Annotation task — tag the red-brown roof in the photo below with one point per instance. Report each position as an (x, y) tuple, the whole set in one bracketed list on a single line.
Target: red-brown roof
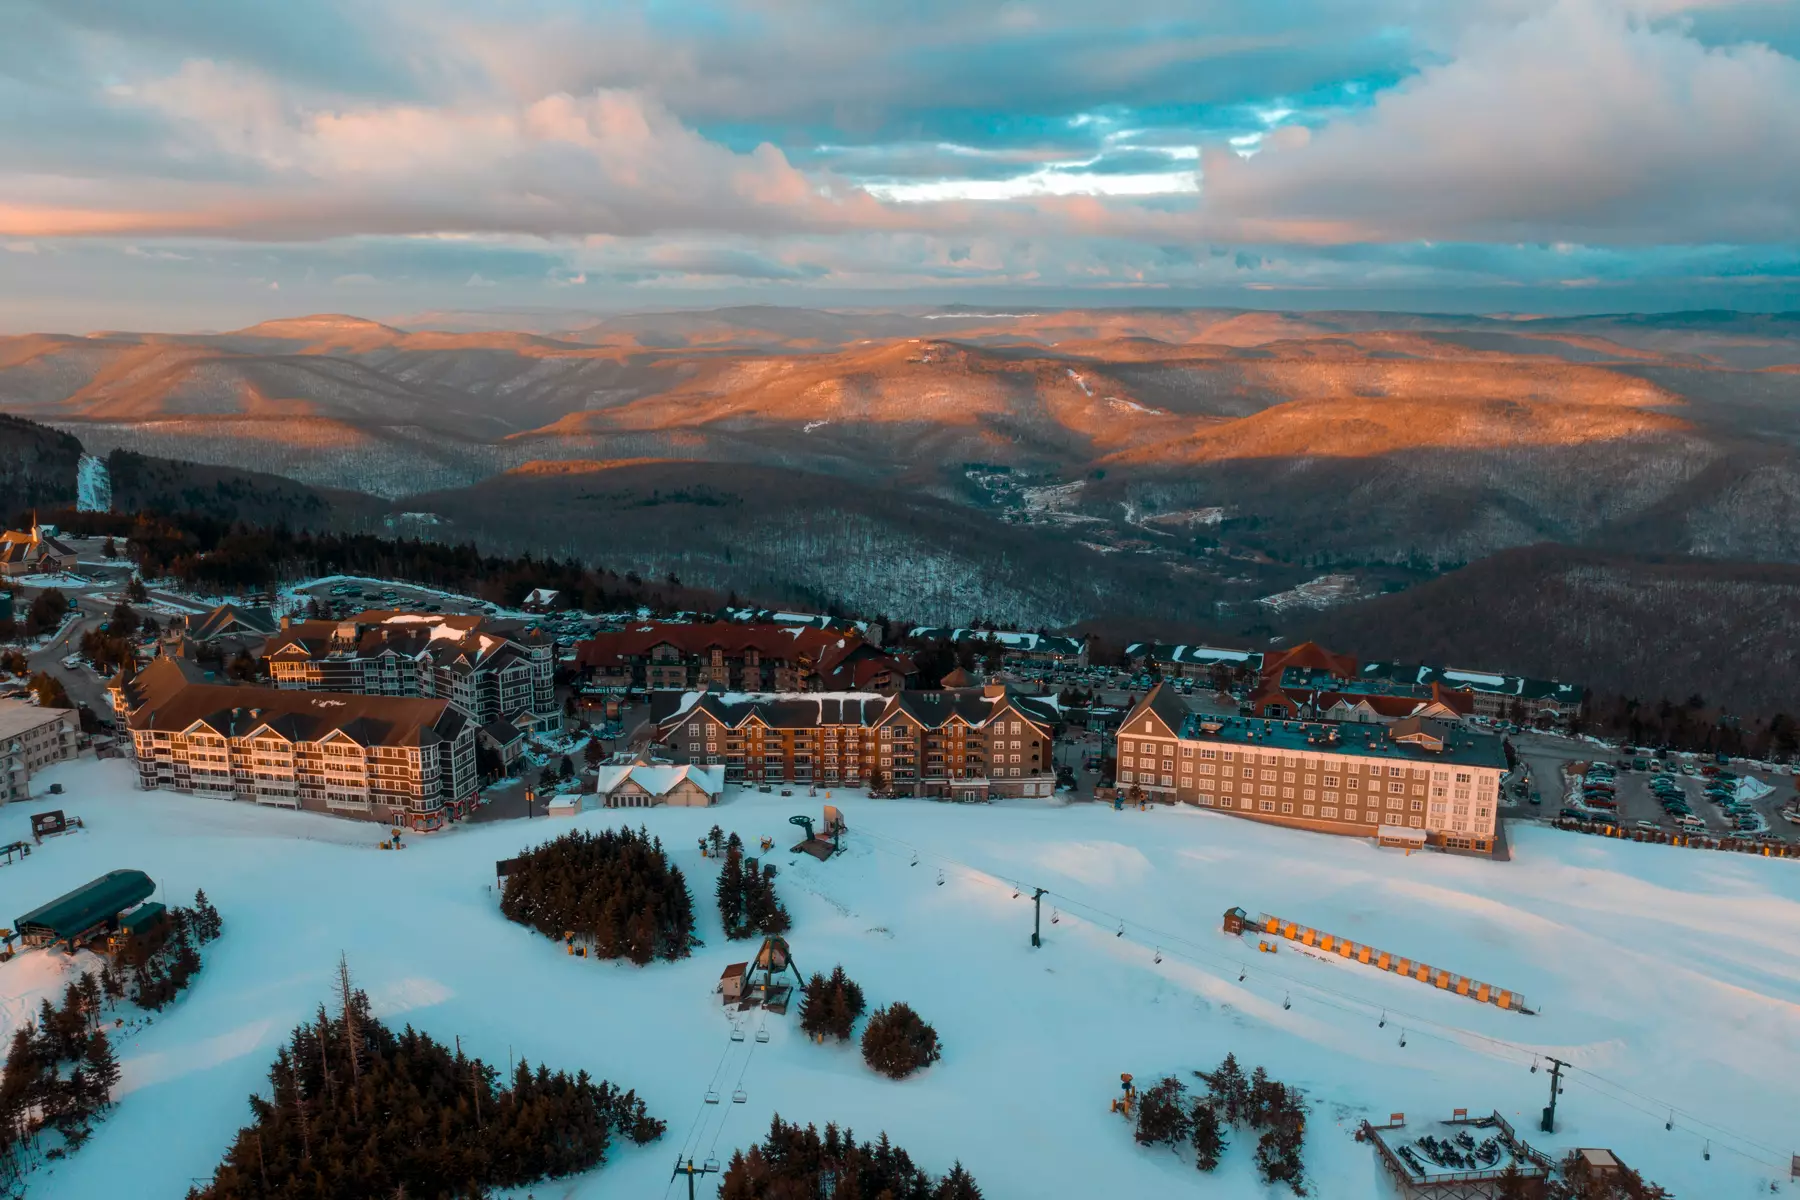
[(1310, 656)]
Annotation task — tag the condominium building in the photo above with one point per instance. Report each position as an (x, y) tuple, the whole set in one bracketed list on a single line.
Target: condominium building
[(1419, 780), (31, 738), (380, 758), (958, 744), (490, 672), (653, 656)]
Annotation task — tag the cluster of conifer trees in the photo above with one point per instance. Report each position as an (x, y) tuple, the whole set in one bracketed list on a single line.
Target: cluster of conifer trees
[(60, 1073), (794, 1162), (1165, 1116), (898, 1042), (747, 902), (152, 967), (358, 1111), (830, 1005), (616, 890)]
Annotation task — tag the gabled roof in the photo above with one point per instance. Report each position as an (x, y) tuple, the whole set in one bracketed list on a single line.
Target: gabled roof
[(1312, 656), (776, 642), (1165, 704), (229, 618), (659, 780), (810, 710), (236, 712), (1202, 656)]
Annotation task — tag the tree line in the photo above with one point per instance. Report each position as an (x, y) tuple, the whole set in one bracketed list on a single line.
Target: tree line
[(356, 1110), (793, 1162), (153, 966), (207, 554), (615, 890)]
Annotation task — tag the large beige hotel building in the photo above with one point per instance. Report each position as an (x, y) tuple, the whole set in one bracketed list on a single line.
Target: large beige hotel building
[(1418, 781)]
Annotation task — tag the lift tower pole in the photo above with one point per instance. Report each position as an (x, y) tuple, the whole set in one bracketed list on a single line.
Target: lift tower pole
[(1037, 912), (690, 1170), (1548, 1125)]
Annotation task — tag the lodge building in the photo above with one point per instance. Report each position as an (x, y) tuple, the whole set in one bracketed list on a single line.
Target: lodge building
[(1418, 781), (397, 760), (488, 672), (956, 744), (653, 656)]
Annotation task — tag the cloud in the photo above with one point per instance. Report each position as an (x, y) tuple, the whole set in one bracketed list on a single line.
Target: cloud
[(1582, 123)]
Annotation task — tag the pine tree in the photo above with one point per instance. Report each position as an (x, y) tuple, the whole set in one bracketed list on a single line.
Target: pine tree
[(731, 890), (1162, 1113), (897, 1042), (102, 1068), (957, 1185), (1207, 1134), (1278, 1153), (1228, 1086)]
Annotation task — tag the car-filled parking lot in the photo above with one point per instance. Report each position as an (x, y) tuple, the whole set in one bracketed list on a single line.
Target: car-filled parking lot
[(1678, 794)]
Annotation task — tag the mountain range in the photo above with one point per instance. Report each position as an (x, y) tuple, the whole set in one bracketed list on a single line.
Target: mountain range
[(1166, 467)]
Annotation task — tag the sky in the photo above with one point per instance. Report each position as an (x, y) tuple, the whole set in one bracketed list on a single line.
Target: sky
[(204, 164)]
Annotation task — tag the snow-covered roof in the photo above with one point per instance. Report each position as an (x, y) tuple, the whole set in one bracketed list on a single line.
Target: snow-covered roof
[(659, 780)]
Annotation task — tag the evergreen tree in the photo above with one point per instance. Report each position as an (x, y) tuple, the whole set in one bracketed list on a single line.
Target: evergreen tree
[(1207, 1134), (957, 1185), (616, 890), (1162, 1113), (1228, 1086), (731, 890), (101, 1067), (359, 1111), (1278, 1152), (897, 1042)]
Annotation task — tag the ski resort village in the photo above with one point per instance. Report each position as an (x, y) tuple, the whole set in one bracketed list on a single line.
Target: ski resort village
[(672, 903)]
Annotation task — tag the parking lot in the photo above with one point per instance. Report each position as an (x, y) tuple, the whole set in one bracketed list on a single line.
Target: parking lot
[(1639, 793)]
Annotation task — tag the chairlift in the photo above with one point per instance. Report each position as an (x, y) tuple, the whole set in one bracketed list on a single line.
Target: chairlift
[(1707, 1153), (740, 1096), (737, 1033), (1055, 916), (1670, 1123), (712, 1097), (1121, 932), (1015, 894), (762, 1035), (1158, 954), (1287, 1000), (1403, 1039), (1242, 971), (940, 877), (915, 859), (711, 1165), (1382, 1024)]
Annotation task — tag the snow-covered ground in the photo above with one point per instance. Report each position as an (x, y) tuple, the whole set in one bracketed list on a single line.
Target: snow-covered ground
[(1671, 979)]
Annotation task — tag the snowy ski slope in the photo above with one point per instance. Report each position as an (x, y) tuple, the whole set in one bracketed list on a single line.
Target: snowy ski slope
[(1671, 978)]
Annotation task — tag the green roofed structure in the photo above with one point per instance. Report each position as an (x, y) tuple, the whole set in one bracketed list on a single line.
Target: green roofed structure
[(93, 908)]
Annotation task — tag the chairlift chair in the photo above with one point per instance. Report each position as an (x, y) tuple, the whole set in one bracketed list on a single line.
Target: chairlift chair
[(712, 1097), (740, 1096), (711, 1164), (762, 1033), (737, 1033)]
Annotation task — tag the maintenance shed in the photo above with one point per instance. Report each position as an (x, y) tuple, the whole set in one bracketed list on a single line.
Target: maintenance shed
[(92, 908)]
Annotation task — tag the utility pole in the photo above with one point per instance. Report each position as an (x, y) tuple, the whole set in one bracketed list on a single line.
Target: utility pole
[(1037, 912), (690, 1170), (1548, 1125)]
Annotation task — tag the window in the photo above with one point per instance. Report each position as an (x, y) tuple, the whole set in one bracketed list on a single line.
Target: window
[(1287, 793), (1329, 813), (1287, 808), (1187, 752), (1306, 810), (1211, 754), (1418, 805), (1268, 806), (1125, 777), (1126, 747), (1396, 787), (1287, 777), (1462, 777)]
